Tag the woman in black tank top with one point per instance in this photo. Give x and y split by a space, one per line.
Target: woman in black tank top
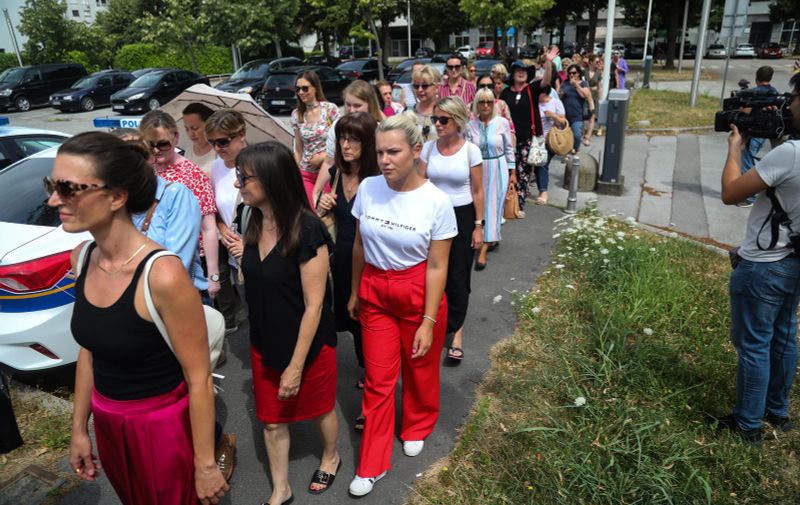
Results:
152 408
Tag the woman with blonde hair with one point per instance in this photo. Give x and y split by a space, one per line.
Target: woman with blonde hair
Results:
403 234
499 75
456 167
494 136
311 121
425 83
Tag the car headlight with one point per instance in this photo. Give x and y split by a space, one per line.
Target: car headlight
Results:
68 98
246 89
136 96
5 92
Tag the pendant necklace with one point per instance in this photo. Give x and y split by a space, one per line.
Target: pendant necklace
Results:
118 270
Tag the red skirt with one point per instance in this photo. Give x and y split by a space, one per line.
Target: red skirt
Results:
317 394
145 447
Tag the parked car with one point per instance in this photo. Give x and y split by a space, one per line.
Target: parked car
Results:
744 51
785 51
91 91
618 46
716 51
325 60
251 76
689 51
153 89
424 52
404 65
770 50
441 57
346 52
140 72
18 142
530 51
36 285
365 69
569 49
485 49
484 66
278 94
467 52
24 87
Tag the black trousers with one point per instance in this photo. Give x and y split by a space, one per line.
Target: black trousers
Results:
459 269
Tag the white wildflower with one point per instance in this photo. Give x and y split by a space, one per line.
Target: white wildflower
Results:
556 235
570 286
497 299
611 240
648 331
620 248
597 241
605 261
620 234
559 266
580 401
604 251
535 310
652 249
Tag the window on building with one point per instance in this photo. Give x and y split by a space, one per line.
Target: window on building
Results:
102 3
790 32
461 40
76 14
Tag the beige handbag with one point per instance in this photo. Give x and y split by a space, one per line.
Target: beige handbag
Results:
560 140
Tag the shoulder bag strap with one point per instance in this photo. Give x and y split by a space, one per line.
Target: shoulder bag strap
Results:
82 257
149 216
776 217
148 297
533 114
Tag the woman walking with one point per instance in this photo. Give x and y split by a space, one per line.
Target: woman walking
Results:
493 135
284 257
200 151
552 111
424 82
389 107
500 107
574 93
152 407
405 225
456 167
355 161
311 121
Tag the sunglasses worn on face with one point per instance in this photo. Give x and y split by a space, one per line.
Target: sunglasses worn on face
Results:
421 85
304 89
442 120
453 67
485 102
485 86
241 177
221 143
161 145
67 189
573 73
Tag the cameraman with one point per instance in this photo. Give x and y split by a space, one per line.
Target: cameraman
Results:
763 80
765 285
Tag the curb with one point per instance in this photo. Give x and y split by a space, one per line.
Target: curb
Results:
670 130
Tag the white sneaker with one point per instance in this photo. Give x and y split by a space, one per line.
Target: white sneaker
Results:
361 486
412 448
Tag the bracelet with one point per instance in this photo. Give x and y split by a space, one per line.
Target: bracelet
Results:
429 318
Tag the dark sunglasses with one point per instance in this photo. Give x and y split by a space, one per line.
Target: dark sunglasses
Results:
574 73
442 120
486 86
485 102
241 178
453 67
304 89
67 189
221 143
161 145
421 85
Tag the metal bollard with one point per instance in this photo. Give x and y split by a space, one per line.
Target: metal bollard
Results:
572 199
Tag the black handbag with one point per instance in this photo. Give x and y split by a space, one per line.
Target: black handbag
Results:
10 437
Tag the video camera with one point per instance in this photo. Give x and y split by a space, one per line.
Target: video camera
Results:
769 116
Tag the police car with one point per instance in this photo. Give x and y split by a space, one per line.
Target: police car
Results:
17 142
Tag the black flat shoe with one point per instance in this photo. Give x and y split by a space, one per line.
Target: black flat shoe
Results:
287 501
494 246
323 478
479 266
455 354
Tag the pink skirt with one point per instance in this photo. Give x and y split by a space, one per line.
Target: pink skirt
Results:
309 179
145 447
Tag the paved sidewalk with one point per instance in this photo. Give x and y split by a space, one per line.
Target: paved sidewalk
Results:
671 182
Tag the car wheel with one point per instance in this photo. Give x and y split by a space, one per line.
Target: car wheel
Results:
153 104
22 103
87 104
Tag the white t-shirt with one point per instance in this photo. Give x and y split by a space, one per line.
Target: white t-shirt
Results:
555 106
451 174
330 139
780 169
225 193
397 227
204 162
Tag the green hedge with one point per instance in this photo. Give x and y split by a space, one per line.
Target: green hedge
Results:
8 60
82 58
210 59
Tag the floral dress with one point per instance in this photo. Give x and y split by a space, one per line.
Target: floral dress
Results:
314 136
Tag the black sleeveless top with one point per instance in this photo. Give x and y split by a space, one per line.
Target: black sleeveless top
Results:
130 358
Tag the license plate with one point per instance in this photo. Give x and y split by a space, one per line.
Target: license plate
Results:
55 102
118 107
279 102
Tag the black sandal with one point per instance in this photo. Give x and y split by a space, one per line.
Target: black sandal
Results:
324 478
359 424
455 354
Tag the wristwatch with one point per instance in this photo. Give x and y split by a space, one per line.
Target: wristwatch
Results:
213 277
480 222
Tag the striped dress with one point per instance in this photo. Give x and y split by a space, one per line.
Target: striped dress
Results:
495 142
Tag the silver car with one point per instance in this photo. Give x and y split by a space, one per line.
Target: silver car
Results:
716 51
744 51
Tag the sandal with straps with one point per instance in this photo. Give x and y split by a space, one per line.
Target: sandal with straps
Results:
323 478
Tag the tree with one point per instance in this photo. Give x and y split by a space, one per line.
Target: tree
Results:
503 13
783 10
328 18
49 32
385 11
250 23
427 18
120 22
178 23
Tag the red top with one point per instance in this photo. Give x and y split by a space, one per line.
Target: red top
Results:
465 90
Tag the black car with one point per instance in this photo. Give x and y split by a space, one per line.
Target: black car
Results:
251 76
23 87
325 60
424 52
484 66
364 69
279 92
530 51
353 52
140 72
404 65
91 91
153 89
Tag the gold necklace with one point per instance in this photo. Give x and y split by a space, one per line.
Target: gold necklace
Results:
118 270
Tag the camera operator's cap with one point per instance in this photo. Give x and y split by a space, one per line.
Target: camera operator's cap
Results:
518 64
616 52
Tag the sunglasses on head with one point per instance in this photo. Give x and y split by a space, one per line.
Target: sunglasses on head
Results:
161 145
421 85
67 189
453 67
442 120
241 178
221 143
304 89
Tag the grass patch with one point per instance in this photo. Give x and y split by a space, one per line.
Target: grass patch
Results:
600 396
670 109
659 73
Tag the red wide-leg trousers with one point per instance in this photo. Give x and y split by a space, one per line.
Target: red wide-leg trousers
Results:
391 306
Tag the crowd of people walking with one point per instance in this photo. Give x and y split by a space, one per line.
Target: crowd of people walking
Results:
399 204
